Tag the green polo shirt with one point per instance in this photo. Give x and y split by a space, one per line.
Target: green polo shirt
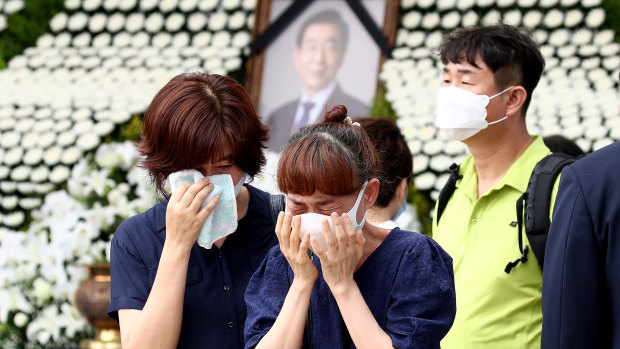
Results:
494 309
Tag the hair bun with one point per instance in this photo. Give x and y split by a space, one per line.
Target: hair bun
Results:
336 115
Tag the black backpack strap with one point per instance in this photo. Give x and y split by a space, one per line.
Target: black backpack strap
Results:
538 203
537 198
277 203
448 189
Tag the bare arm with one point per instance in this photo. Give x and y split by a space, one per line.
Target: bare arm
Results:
287 331
345 249
158 324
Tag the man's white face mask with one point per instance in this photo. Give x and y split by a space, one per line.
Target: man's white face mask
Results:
461 113
312 222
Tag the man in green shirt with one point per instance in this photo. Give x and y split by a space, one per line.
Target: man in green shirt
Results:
489 76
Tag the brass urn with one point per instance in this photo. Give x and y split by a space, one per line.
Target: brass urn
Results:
92 300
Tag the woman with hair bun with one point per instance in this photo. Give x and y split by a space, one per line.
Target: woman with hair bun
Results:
363 286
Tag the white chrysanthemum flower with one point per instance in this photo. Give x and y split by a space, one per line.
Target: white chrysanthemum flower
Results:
595 18
4 172
39 174
465 4
135 22
573 18
485 3
469 19
513 17
604 37
241 39
207 5
401 53
547 3
47 138
232 64
430 20
52 155
62 40
591 63
161 40
91 5
147 5
110 5
45 41
9 202
30 203
116 22
154 23
175 22
547 51
249 5
188 5
451 20
416 39
141 39
433 40
21 173
14 219
492 17
424 181
201 39
104 128
217 21
221 39
180 40
167 5
59 22
72 4
443 5
88 141
440 163
611 63
237 20
532 19
12 6
588 51
582 37
77 21
250 20
425 3
70 155
10 139
420 163
406 4
3 23
127 5
566 51
553 18
433 147
81 40
591 3
596 131
196 22
609 50
24 125
101 40
33 156
411 19
559 37
568 3
59 174
122 39
20 319
44 188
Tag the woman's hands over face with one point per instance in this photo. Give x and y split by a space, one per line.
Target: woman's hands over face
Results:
184 216
345 248
296 253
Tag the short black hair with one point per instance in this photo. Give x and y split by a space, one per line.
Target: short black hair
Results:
394 155
510 52
326 16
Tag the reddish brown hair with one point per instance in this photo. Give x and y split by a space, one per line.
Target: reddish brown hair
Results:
191 118
396 159
333 157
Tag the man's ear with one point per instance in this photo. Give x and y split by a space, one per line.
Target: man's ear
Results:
371 193
516 98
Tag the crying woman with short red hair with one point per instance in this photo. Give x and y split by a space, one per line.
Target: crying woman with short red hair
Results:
360 286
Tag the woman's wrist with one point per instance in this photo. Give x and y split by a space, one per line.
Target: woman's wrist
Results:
342 290
303 284
176 251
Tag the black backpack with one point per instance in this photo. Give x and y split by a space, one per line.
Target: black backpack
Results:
536 200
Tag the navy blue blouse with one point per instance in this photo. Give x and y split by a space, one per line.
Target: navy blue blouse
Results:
213 310
407 283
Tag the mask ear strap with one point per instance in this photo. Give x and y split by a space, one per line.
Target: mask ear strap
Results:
359 196
497 94
496 121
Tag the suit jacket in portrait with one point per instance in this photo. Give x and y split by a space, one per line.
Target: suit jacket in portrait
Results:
282 119
581 278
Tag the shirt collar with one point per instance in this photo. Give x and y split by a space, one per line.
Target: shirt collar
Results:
518 176
319 98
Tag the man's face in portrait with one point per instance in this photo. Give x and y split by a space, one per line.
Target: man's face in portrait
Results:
319 56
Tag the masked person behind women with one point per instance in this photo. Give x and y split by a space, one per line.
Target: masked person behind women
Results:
389 210
369 287
167 291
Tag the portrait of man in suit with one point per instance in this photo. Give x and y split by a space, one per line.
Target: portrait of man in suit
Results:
319 50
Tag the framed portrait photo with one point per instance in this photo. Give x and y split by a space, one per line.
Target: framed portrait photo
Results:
324 57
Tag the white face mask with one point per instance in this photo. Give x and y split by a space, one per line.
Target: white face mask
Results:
239 184
312 222
461 113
